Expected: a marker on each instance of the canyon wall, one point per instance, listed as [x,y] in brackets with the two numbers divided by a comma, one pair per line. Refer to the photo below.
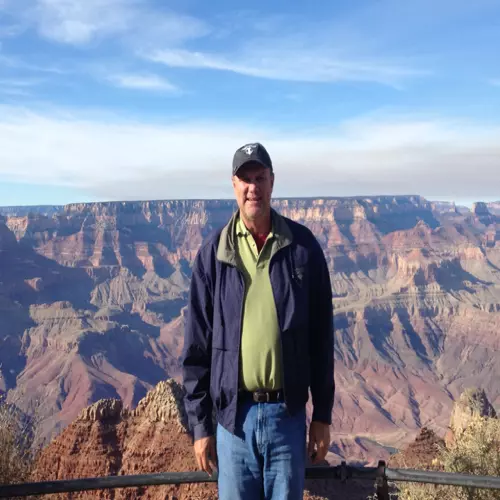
[93,297]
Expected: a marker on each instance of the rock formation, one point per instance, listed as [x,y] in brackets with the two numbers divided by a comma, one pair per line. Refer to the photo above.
[164,404]
[103,410]
[494,207]
[92,299]
[448,207]
[107,440]
[472,403]
[419,454]
[481,211]
[425,451]
[21,211]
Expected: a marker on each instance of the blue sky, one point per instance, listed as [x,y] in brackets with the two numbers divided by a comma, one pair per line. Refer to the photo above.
[147,99]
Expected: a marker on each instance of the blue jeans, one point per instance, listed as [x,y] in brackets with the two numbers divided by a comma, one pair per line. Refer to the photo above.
[265,458]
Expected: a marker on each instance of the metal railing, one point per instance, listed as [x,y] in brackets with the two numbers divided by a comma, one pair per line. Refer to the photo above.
[381,475]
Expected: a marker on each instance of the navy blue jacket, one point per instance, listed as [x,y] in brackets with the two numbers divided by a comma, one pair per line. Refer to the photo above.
[211,356]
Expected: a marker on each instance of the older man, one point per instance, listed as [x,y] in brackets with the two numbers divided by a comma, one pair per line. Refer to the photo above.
[259,334]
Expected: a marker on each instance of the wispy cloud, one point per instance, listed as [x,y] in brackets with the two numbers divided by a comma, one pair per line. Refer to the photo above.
[17,63]
[76,22]
[277,48]
[142,82]
[115,158]
[79,23]
[288,64]
[14,91]
[10,30]
[495,82]
[19,82]
[347,47]
[18,86]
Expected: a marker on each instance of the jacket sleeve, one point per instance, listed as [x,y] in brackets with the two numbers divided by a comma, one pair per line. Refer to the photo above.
[321,340]
[196,357]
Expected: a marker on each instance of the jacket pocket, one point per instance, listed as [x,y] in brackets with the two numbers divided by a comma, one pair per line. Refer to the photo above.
[222,377]
[299,275]
[300,283]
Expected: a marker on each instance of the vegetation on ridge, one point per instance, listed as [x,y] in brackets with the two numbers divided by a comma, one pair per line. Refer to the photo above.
[476,450]
[16,457]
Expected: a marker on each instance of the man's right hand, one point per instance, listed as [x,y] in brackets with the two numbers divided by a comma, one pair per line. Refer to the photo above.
[206,454]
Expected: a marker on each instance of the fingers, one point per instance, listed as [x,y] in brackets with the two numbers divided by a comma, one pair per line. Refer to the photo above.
[319,441]
[212,457]
[205,462]
[208,466]
[206,454]
[311,448]
[198,461]
[321,452]
[311,444]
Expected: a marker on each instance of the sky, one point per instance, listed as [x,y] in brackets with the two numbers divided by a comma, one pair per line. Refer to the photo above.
[105,100]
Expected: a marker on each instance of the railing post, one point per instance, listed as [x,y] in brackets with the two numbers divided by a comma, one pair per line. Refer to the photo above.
[381,484]
[343,472]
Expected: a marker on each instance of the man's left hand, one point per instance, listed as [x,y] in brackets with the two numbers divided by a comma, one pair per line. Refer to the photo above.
[319,441]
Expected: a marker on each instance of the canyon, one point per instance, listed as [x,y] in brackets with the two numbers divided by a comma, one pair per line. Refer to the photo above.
[108,439]
[93,299]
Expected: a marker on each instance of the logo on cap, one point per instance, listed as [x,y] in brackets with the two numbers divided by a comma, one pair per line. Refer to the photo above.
[248,150]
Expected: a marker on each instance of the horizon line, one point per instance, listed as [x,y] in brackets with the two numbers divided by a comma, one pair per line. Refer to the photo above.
[277,198]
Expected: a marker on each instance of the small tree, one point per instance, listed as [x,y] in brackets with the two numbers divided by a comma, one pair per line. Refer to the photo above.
[16,456]
[476,450]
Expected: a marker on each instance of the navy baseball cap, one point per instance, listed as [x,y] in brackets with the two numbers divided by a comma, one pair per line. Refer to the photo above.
[251,153]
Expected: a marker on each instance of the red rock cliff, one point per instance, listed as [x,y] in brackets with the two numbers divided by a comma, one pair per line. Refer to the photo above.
[93,299]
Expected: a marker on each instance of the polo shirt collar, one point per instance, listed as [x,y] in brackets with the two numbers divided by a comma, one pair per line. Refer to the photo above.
[241,229]
[226,248]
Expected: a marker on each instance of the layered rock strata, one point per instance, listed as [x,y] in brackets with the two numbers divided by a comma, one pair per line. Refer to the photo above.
[107,439]
[93,300]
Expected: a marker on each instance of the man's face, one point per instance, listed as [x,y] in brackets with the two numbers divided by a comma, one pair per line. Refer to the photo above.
[253,187]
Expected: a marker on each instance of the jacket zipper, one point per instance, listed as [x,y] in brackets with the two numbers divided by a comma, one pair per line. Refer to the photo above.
[293,265]
[281,333]
[242,281]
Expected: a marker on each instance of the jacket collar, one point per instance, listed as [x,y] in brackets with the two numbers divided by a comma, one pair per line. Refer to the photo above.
[226,250]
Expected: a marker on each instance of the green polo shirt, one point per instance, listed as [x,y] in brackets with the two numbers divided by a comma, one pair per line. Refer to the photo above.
[260,338]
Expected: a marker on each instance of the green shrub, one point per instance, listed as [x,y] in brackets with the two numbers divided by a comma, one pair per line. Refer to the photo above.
[476,451]
[16,457]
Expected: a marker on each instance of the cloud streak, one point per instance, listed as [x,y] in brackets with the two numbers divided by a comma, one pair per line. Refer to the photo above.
[149,82]
[19,82]
[116,159]
[17,63]
[290,65]
[282,48]
[21,87]
[82,23]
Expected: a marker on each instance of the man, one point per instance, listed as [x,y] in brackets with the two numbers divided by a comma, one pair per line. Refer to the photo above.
[258,335]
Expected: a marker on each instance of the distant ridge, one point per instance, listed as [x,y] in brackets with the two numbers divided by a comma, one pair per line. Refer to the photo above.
[49,210]
[24,210]
[93,302]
